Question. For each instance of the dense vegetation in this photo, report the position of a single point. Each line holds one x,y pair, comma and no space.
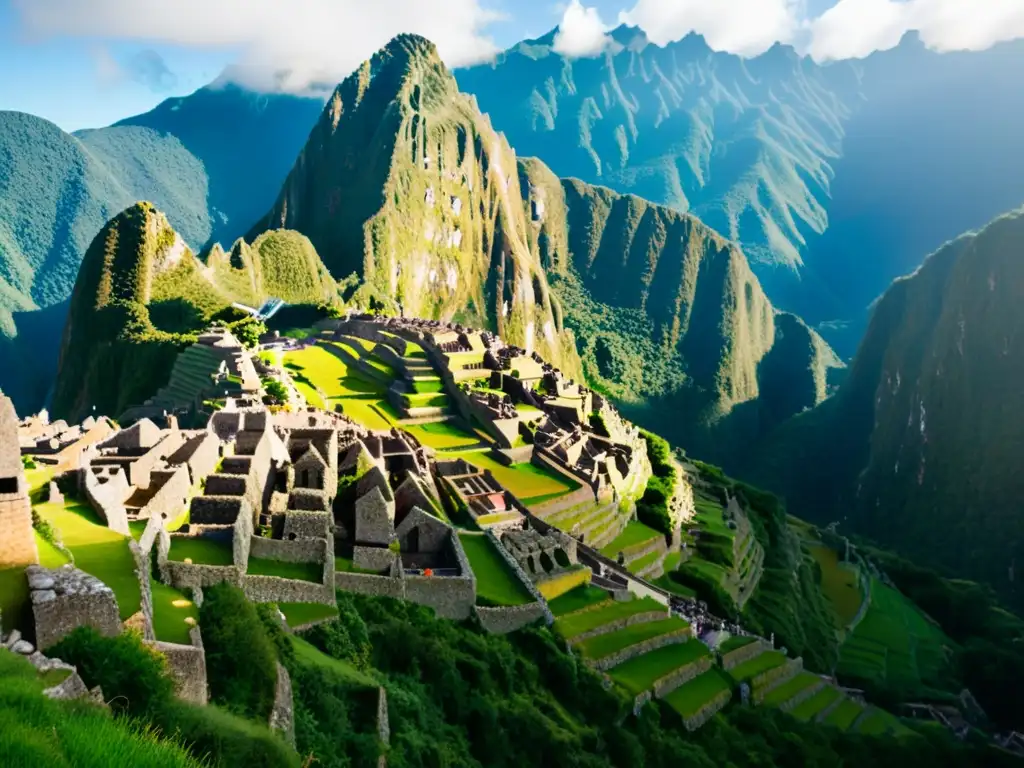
142,296
652,509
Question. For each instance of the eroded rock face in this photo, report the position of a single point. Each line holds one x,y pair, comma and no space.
66,598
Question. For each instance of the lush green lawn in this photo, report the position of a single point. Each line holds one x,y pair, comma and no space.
427,384
577,599
634,534
201,550
643,562
806,710
326,371
527,482
790,688
14,606
427,399
496,584
757,665
573,625
297,614
689,698
170,610
894,642
311,655
313,572
839,584
842,717
97,550
639,674
734,642
605,645
441,435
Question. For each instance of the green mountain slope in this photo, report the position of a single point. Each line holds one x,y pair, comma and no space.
669,317
919,448
404,182
142,295
213,161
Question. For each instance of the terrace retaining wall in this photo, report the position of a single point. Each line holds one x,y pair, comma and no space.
765,682
187,665
665,685
549,617
282,715
615,626
502,620
274,589
289,551
734,658
653,644
801,696
709,710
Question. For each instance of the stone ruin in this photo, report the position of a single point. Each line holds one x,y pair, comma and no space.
17,539
66,598
539,554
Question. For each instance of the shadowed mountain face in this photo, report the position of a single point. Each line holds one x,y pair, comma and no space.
920,448
213,161
669,318
142,295
405,183
833,178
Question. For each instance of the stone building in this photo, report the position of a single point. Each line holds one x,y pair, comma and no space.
17,539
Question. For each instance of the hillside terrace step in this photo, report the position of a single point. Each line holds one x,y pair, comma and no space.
609,650
602,536
664,669
828,709
611,616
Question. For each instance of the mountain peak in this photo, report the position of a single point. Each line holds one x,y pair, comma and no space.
693,44
631,37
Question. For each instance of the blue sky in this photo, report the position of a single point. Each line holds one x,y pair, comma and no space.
89,63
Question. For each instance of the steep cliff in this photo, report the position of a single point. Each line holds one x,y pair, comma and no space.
404,182
669,317
141,295
920,447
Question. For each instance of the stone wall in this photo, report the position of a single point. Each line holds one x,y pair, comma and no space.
615,626
241,539
169,501
66,598
367,584
373,558
282,716
502,620
671,638
763,683
142,569
743,653
274,589
191,575
709,710
549,617
225,485
187,665
297,551
107,497
665,685
451,597
307,525
383,720
801,696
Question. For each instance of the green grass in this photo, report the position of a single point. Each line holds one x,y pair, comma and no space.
806,710
634,534
527,482
789,689
734,642
310,655
842,717
689,698
327,372
201,550
894,642
137,528
577,599
97,550
313,572
170,610
495,581
345,565
757,665
605,645
639,674
297,614
647,560
441,435
839,584
576,624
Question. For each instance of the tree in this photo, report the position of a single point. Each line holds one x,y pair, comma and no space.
249,331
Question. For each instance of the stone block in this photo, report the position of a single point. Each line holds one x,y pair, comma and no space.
67,598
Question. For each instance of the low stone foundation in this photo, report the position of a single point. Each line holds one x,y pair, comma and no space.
502,620
67,598
274,589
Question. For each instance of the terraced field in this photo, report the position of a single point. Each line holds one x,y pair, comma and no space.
442,435
818,703
641,673
691,697
496,583
528,482
586,621
839,584
755,666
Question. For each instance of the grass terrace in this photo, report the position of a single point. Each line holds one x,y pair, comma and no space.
171,610
839,584
441,435
310,655
313,572
633,535
97,550
844,715
689,698
576,624
734,642
529,483
201,550
577,599
346,565
638,565
819,702
496,583
757,665
602,646
14,603
298,614
787,690
640,674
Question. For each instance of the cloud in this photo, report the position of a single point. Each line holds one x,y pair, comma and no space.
581,32
149,69
746,27
855,28
308,41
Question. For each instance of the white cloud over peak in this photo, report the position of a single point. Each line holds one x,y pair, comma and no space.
855,28
581,32
746,27
282,44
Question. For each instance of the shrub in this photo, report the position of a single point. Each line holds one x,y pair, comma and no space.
132,675
276,391
241,660
248,332
344,638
